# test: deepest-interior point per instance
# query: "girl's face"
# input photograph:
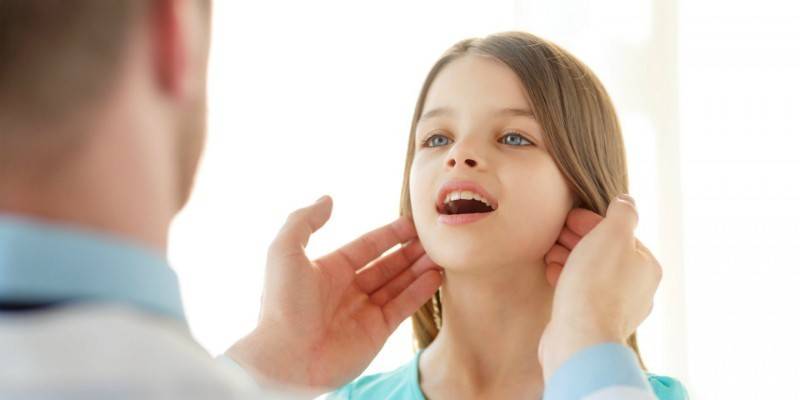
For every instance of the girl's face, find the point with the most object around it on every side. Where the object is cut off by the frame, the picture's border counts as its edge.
(477, 137)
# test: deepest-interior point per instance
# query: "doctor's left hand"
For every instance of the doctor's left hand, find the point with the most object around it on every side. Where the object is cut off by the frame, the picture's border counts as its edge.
(323, 321)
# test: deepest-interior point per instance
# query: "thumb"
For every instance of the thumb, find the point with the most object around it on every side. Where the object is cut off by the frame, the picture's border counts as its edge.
(622, 213)
(300, 224)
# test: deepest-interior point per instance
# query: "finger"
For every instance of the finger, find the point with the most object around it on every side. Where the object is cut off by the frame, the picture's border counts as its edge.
(370, 246)
(552, 273)
(557, 254)
(397, 285)
(293, 236)
(658, 270)
(628, 198)
(387, 268)
(622, 214)
(642, 248)
(411, 299)
(568, 238)
(582, 221)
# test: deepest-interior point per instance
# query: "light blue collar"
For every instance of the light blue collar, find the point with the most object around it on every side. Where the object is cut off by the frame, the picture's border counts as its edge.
(44, 262)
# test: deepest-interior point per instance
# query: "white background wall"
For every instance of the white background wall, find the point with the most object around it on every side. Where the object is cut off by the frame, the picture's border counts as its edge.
(310, 98)
(739, 106)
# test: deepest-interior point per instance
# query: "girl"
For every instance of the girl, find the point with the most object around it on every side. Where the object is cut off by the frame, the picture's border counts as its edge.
(509, 134)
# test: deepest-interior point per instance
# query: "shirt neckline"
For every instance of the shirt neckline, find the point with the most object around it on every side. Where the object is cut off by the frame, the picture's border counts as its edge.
(49, 262)
(417, 391)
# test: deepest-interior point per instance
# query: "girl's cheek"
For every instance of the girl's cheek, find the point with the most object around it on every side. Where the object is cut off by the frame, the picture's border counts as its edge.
(534, 210)
(420, 176)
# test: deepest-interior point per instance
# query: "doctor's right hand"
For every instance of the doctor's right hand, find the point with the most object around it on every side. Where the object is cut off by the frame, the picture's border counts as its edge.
(322, 322)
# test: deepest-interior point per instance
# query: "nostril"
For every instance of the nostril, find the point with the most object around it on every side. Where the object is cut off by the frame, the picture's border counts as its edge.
(470, 162)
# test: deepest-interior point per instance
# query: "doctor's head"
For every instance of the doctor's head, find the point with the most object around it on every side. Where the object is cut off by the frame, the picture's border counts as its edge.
(73, 69)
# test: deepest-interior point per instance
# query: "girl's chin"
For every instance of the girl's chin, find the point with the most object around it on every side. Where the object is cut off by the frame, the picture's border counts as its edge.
(476, 257)
(466, 262)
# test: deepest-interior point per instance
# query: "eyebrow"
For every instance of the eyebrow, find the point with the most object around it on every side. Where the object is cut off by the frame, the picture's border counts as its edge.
(509, 111)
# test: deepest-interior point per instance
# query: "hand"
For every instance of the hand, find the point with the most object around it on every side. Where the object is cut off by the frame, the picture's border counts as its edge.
(322, 322)
(606, 288)
(580, 222)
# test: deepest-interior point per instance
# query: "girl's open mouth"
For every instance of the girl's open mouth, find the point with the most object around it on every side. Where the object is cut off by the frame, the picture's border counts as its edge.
(465, 206)
(464, 202)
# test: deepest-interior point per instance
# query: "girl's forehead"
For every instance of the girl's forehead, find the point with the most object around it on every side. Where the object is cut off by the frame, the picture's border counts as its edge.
(476, 82)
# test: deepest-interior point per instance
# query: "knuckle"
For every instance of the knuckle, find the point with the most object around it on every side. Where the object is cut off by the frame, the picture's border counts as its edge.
(658, 271)
(294, 216)
(370, 244)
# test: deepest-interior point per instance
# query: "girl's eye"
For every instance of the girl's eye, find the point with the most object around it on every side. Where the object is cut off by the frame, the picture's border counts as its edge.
(515, 139)
(436, 141)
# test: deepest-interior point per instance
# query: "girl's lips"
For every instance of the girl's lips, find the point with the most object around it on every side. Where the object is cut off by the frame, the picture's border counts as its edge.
(461, 219)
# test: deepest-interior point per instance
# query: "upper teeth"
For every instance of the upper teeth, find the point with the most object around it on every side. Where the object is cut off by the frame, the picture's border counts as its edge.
(466, 195)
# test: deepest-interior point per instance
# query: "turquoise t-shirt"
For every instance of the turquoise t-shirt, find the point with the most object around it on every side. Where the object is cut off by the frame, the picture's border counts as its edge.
(403, 384)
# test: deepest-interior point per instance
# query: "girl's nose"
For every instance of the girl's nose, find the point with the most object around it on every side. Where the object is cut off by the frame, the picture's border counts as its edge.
(467, 153)
(467, 161)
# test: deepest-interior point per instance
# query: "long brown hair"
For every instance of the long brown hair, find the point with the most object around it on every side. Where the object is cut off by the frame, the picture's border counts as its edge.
(579, 122)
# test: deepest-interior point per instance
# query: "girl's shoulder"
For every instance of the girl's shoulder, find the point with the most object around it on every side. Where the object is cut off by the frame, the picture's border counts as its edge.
(399, 384)
(667, 388)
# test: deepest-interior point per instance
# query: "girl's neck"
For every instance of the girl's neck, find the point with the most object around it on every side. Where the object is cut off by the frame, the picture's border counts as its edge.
(492, 323)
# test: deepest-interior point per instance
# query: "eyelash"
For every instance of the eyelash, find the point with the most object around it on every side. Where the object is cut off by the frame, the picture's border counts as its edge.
(426, 142)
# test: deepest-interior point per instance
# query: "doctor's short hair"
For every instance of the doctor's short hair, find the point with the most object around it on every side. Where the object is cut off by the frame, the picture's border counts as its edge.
(56, 55)
(59, 59)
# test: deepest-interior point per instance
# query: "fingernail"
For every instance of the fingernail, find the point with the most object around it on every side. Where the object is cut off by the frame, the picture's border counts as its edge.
(319, 200)
(628, 198)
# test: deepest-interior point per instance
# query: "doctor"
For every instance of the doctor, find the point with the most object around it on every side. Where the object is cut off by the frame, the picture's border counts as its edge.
(102, 124)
